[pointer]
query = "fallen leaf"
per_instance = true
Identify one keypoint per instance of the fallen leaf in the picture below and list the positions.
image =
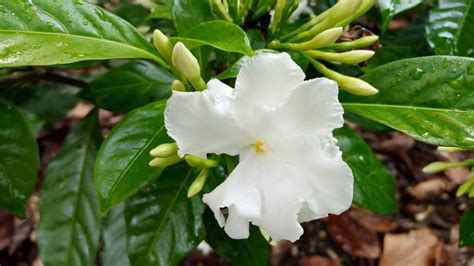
(318, 261)
(352, 237)
(373, 222)
(416, 248)
(430, 189)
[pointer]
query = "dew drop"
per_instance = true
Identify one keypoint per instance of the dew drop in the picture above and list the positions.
(445, 63)
(417, 73)
(458, 83)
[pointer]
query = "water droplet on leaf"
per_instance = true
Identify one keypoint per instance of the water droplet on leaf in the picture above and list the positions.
(417, 73)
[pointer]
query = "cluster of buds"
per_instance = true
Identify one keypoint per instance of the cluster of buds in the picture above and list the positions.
(468, 186)
(183, 63)
(318, 40)
(167, 154)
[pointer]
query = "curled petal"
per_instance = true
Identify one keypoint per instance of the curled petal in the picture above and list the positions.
(200, 122)
(266, 80)
(312, 108)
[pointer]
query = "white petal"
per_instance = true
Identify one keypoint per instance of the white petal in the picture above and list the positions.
(239, 190)
(266, 80)
(330, 177)
(200, 122)
(312, 108)
(264, 190)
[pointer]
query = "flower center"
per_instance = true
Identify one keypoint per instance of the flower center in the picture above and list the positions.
(260, 146)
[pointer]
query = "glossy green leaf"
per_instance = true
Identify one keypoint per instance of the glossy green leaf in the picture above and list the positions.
(122, 163)
(374, 186)
(390, 8)
(48, 32)
(220, 34)
(253, 251)
(19, 161)
(163, 224)
(428, 98)
(190, 13)
(114, 234)
(466, 228)
(69, 230)
(130, 86)
(450, 29)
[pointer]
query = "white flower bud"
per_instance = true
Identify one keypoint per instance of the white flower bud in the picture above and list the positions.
(198, 162)
(165, 162)
(164, 150)
(185, 62)
(350, 57)
(325, 38)
(163, 45)
(198, 183)
(178, 86)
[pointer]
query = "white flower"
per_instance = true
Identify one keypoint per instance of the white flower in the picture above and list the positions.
(290, 169)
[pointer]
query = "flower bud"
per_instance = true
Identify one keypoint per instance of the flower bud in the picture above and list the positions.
(450, 149)
(164, 150)
(436, 167)
(198, 183)
(198, 162)
(279, 7)
(344, 9)
(350, 57)
(350, 84)
(323, 39)
(177, 85)
(165, 162)
(221, 10)
(467, 187)
(356, 44)
(163, 45)
(185, 62)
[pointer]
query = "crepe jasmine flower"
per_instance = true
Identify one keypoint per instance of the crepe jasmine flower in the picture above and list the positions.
(290, 169)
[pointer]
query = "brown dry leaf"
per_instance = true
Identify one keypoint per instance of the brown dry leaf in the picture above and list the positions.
(371, 221)
(352, 237)
(430, 188)
(318, 261)
(80, 111)
(279, 251)
(416, 248)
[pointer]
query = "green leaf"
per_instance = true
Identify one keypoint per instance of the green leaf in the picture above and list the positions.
(19, 162)
(48, 32)
(428, 98)
(131, 11)
(69, 230)
(114, 235)
(122, 163)
(257, 41)
(220, 34)
(254, 251)
(190, 13)
(450, 29)
(48, 103)
(390, 8)
(374, 186)
(163, 224)
(130, 86)
(466, 229)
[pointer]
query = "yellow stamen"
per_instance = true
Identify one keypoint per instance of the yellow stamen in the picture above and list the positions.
(260, 146)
